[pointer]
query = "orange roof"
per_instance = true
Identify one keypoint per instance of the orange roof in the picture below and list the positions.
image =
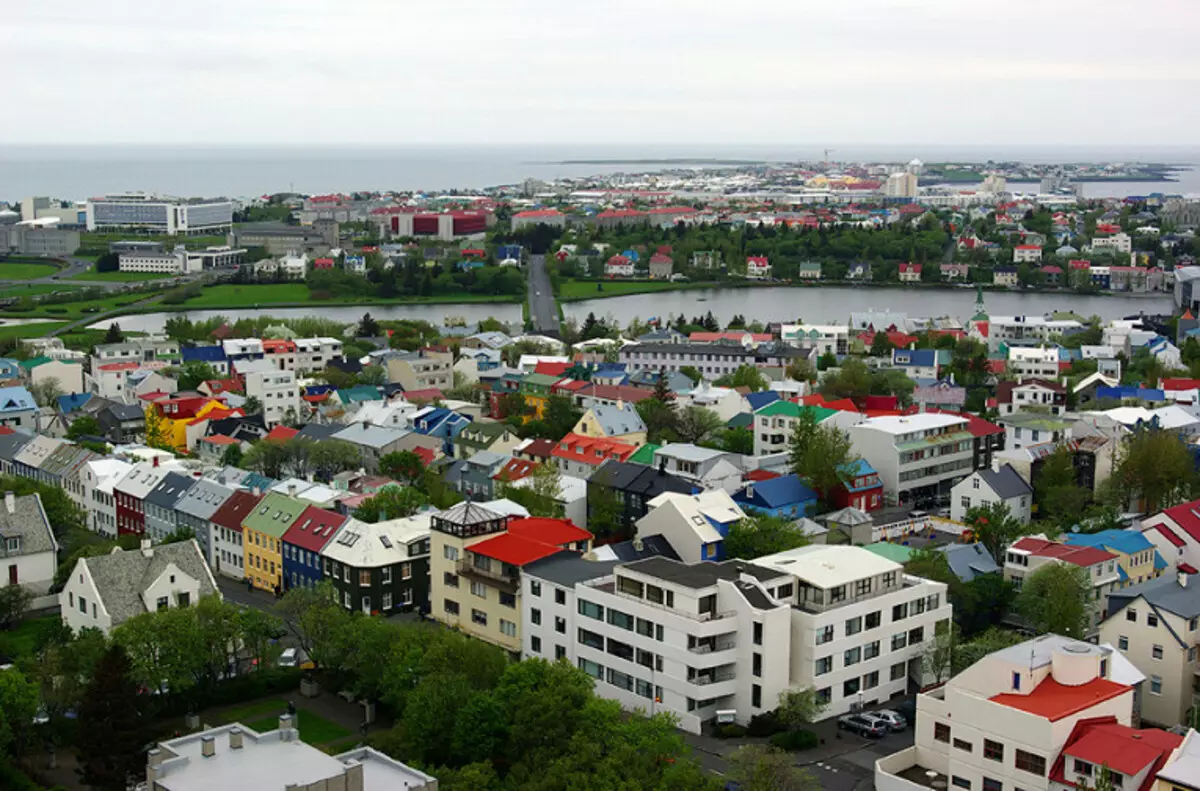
(218, 439)
(553, 531)
(281, 433)
(590, 450)
(1054, 701)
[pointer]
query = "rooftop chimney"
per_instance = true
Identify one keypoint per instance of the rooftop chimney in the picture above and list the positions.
(147, 549)
(285, 727)
(257, 491)
(1183, 579)
(154, 461)
(235, 738)
(10, 502)
(291, 490)
(208, 746)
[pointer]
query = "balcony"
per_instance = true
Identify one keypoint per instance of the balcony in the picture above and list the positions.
(608, 585)
(707, 676)
(712, 645)
(507, 580)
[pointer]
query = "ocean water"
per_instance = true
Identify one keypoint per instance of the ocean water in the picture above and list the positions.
(77, 172)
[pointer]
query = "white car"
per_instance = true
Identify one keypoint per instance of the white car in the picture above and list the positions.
(895, 721)
(289, 658)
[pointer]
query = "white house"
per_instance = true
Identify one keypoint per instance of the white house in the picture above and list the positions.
(916, 456)
(691, 523)
(105, 591)
(825, 338)
(97, 477)
(278, 393)
(758, 268)
(28, 549)
(1027, 253)
(1002, 723)
(725, 401)
(708, 468)
(984, 487)
(1033, 362)
(1030, 553)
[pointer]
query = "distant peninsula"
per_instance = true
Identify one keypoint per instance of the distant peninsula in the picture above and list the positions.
(671, 161)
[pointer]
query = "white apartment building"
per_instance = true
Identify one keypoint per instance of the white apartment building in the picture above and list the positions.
(1039, 361)
(825, 338)
(141, 350)
(1020, 328)
(1027, 253)
(1001, 724)
(421, 370)
(175, 262)
(916, 456)
(1031, 553)
(1118, 242)
(695, 639)
(292, 266)
(901, 185)
(277, 391)
(314, 354)
(159, 214)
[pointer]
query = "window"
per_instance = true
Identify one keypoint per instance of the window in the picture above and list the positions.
(1156, 685)
(535, 615)
(862, 587)
(941, 732)
(900, 612)
(899, 641)
(450, 553)
(644, 628)
(450, 606)
(757, 633)
(962, 744)
(1151, 620)
(591, 610)
(591, 639)
(889, 579)
(851, 657)
(993, 751)
(478, 589)
(756, 665)
(508, 599)
(898, 671)
(871, 650)
(823, 666)
(160, 605)
(618, 618)
(560, 651)
(962, 782)
(479, 617)
(535, 588)
(916, 635)
(508, 628)
(623, 650)
(1156, 651)
(591, 668)
(1123, 643)
(871, 680)
(853, 626)
(1028, 762)
(851, 687)
(1083, 767)
(560, 624)
(1191, 653)
(756, 696)
(873, 619)
(824, 635)
(992, 785)
(535, 644)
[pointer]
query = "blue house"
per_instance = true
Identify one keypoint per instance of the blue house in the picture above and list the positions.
(785, 496)
(509, 251)
(213, 355)
(302, 545)
(759, 400)
(69, 403)
(632, 255)
(436, 421)
(17, 408)
(1132, 548)
(9, 369)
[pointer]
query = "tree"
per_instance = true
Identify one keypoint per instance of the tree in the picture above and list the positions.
(14, 601)
(62, 512)
(1103, 781)
(232, 457)
(560, 416)
(157, 434)
(179, 535)
(1058, 497)
(113, 334)
(798, 707)
(84, 426)
(928, 563)
(969, 652)
(112, 726)
(404, 466)
(252, 406)
(391, 502)
(693, 373)
(328, 458)
(981, 603)
(1154, 466)
(659, 417)
(732, 440)
(801, 370)
(267, 458)
(761, 534)
(372, 375)
(994, 526)
(606, 514)
(694, 423)
(540, 495)
(367, 327)
(194, 374)
(1055, 600)
(881, 346)
(45, 392)
(18, 707)
(761, 767)
(818, 453)
(745, 376)
(315, 619)
(851, 380)
(938, 658)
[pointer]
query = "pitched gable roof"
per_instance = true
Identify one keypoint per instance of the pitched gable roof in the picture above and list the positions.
(121, 577)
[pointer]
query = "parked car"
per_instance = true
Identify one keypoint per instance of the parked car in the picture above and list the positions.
(895, 721)
(862, 725)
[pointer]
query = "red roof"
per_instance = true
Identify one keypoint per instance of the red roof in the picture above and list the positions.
(910, 268)
(1187, 516)
(281, 434)
(425, 394)
(234, 510)
(1102, 740)
(1051, 269)
(730, 335)
(1078, 556)
(1180, 384)
(1187, 568)
(975, 424)
(1054, 701)
(6, 430)
(426, 454)
(613, 213)
(218, 439)
(129, 366)
(659, 258)
(223, 385)
(1079, 263)
(757, 260)
(538, 448)
(551, 531)
(313, 528)
(1168, 534)
(278, 346)
(591, 450)
(538, 213)
(616, 393)
(515, 470)
(552, 368)
(513, 549)
(760, 475)
(617, 260)
(1028, 247)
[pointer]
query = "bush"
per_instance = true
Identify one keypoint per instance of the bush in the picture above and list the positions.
(793, 741)
(765, 724)
(729, 730)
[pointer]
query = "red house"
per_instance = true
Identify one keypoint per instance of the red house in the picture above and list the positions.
(861, 487)
(323, 263)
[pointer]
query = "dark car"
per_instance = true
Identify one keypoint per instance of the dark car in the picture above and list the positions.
(863, 726)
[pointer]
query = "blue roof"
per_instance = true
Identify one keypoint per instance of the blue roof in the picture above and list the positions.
(203, 354)
(69, 403)
(1126, 542)
(1130, 391)
(256, 479)
(968, 561)
(916, 357)
(11, 366)
(781, 491)
(759, 400)
(314, 390)
(16, 399)
(1159, 562)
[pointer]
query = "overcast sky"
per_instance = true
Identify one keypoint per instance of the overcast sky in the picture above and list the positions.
(605, 71)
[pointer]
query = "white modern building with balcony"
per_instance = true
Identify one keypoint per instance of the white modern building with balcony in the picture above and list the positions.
(917, 456)
(698, 639)
(277, 391)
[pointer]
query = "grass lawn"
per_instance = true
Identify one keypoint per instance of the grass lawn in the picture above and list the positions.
(33, 289)
(119, 277)
(29, 636)
(11, 270)
(29, 330)
(256, 712)
(263, 716)
(572, 290)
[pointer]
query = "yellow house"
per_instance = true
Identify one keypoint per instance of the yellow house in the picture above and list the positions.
(1137, 560)
(262, 539)
(619, 421)
(536, 390)
(174, 415)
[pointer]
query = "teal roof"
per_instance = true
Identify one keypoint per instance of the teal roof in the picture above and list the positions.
(359, 394)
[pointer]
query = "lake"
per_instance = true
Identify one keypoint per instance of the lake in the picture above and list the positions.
(818, 305)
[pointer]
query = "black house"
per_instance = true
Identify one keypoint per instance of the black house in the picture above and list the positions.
(635, 485)
(380, 568)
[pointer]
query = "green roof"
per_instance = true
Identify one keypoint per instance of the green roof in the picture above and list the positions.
(741, 420)
(1035, 420)
(645, 454)
(274, 514)
(358, 394)
(34, 362)
(789, 409)
(895, 552)
(542, 380)
(936, 439)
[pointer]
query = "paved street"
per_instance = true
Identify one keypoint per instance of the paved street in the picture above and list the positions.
(542, 307)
